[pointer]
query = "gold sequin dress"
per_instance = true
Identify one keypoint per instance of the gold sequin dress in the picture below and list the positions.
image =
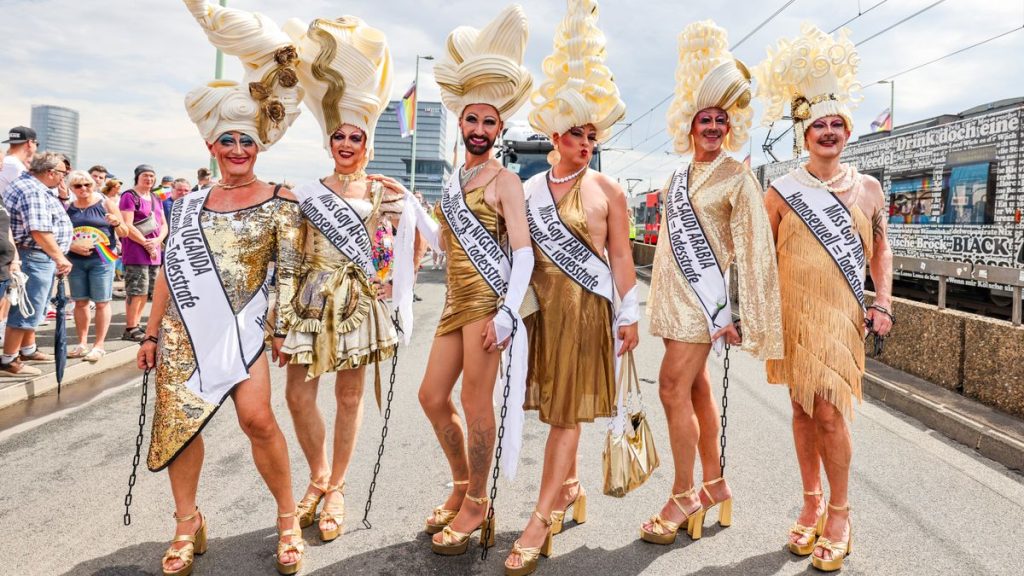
(242, 243)
(822, 321)
(571, 378)
(335, 320)
(731, 210)
(469, 297)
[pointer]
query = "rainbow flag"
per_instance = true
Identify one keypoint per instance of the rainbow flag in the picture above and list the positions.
(162, 193)
(106, 253)
(407, 111)
(883, 123)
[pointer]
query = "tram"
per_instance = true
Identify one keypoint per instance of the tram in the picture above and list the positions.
(525, 152)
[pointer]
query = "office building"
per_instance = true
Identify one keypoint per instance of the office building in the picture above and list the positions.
(393, 154)
(57, 130)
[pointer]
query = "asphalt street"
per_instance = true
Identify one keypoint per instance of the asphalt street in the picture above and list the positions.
(921, 504)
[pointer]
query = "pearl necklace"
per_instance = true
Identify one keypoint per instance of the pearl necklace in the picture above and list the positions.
(845, 173)
(223, 186)
(573, 176)
(701, 180)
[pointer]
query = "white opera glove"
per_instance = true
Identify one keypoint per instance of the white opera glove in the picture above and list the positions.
(518, 282)
(629, 309)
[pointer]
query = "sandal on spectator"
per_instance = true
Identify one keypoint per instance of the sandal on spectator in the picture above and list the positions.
(79, 351)
(95, 355)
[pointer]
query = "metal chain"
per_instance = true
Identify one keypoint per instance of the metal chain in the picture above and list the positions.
(138, 449)
(384, 430)
(488, 526)
(725, 407)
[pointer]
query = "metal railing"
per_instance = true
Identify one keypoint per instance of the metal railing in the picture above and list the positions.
(944, 270)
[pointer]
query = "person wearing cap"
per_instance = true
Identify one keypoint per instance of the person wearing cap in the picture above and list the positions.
(203, 177)
(22, 146)
(42, 231)
(143, 212)
(823, 202)
(205, 337)
(482, 220)
(714, 218)
(585, 279)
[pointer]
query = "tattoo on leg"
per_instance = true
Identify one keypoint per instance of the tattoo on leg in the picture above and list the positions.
(481, 438)
(453, 445)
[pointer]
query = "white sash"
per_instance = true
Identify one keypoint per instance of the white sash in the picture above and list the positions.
(568, 252)
(695, 258)
(335, 218)
(481, 248)
(830, 221)
(223, 356)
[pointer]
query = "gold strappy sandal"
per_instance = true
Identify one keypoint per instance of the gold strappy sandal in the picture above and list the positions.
(696, 527)
(305, 510)
(579, 508)
(296, 546)
(529, 556)
(331, 514)
(838, 550)
(811, 533)
(442, 517)
(196, 546)
(664, 531)
(454, 543)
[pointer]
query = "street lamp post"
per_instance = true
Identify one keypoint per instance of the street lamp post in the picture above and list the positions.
(415, 119)
(892, 102)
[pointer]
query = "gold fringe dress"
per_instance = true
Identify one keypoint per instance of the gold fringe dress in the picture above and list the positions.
(730, 207)
(571, 376)
(243, 243)
(822, 321)
(335, 320)
(469, 297)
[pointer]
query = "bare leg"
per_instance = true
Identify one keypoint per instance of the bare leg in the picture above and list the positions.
(15, 338)
(269, 450)
(480, 368)
(102, 323)
(836, 451)
(184, 475)
(309, 425)
(680, 366)
(559, 459)
(82, 322)
(348, 391)
(708, 443)
(443, 368)
(807, 456)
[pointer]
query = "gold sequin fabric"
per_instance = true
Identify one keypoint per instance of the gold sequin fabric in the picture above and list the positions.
(242, 243)
(571, 377)
(469, 297)
(822, 321)
(730, 207)
(336, 322)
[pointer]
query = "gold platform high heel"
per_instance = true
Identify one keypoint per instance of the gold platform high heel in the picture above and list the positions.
(809, 532)
(442, 516)
(838, 550)
(331, 514)
(696, 527)
(454, 543)
(298, 547)
(196, 546)
(529, 556)
(579, 508)
(664, 531)
(305, 510)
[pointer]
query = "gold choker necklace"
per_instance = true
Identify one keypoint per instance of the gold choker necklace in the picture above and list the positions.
(223, 186)
(346, 178)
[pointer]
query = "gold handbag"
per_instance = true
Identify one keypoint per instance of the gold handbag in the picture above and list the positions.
(629, 458)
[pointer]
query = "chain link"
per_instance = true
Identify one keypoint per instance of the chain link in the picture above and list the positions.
(384, 430)
(138, 449)
(725, 407)
(488, 526)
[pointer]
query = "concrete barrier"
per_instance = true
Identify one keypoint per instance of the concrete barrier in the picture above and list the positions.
(994, 364)
(643, 254)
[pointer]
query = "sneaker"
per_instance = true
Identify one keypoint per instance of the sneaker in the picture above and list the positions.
(133, 334)
(51, 315)
(37, 357)
(18, 369)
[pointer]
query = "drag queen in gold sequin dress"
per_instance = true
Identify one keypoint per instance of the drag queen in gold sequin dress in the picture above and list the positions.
(246, 224)
(337, 320)
(708, 117)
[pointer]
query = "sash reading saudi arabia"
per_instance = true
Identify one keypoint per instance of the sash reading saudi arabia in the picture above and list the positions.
(694, 256)
(483, 250)
(568, 252)
(223, 356)
(338, 222)
(830, 221)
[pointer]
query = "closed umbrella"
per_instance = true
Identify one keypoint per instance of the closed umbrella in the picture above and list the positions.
(60, 336)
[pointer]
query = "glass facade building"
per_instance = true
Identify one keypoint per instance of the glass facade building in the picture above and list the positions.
(392, 154)
(57, 130)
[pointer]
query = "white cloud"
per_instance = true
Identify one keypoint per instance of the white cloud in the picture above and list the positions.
(126, 65)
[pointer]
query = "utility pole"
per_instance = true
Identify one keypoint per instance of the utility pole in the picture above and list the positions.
(415, 119)
(218, 73)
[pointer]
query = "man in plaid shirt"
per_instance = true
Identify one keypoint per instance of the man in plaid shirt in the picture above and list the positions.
(42, 231)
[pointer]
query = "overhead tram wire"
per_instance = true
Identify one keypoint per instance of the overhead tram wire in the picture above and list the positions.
(859, 14)
(898, 22)
(652, 151)
(638, 144)
(761, 25)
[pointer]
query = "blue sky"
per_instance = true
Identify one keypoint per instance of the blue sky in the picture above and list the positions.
(126, 65)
